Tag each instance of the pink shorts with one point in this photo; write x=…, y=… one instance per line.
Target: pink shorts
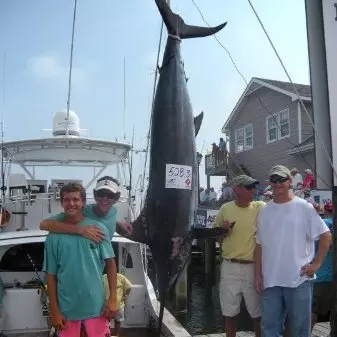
x=95, y=327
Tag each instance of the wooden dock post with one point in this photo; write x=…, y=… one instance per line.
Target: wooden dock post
x=181, y=291
x=210, y=260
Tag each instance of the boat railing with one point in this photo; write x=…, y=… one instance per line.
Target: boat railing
x=31, y=197
x=215, y=162
x=27, y=210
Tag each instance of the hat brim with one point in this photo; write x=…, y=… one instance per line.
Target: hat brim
x=253, y=182
x=280, y=174
x=108, y=188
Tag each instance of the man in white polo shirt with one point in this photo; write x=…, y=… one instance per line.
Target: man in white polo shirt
x=285, y=260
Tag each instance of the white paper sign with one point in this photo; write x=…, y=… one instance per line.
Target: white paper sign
x=178, y=176
x=211, y=214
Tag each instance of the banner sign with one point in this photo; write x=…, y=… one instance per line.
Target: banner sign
x=321, y=196
x=205, y=217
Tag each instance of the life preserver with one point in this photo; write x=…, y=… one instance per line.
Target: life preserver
x=5, y=217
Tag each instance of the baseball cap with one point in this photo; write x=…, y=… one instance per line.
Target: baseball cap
x=280, y=170
x=107, y=185
x=243, y=180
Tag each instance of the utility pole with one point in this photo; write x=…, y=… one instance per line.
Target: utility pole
x=322, y=31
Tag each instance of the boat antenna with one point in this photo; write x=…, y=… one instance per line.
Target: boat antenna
x=3, y=187
x=131, y=163
x=71, y=66
x=124, y=101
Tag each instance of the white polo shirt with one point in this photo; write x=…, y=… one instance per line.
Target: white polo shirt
x=286, y=233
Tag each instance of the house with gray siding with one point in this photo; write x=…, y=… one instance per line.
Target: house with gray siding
x=269, y=126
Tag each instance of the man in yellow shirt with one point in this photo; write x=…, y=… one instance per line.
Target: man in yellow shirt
x=123, y=288
x=237, y=268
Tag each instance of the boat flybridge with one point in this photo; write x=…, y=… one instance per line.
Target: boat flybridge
x=27, y=200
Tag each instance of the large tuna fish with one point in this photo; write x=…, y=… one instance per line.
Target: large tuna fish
x=166, y=221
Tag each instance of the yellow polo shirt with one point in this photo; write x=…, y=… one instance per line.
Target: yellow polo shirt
x=240, y=244
x=123, y=286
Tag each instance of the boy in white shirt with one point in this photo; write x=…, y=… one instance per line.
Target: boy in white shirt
x=285, y=261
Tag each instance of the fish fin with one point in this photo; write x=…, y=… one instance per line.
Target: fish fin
x=176, y=25
x=139, y=228
x=204, y=233
x=197, y=122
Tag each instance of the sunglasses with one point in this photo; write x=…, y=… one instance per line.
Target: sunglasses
x=108, y=195
x=278, y=179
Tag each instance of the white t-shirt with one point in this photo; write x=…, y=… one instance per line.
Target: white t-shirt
x=286, y=233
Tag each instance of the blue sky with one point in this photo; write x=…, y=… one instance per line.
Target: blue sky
x=35, y=35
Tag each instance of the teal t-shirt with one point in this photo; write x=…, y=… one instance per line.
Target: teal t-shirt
x=109, y=220
x=324, y=273
x=78, y=264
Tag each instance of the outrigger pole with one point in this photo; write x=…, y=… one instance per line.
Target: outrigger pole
x=321, y=32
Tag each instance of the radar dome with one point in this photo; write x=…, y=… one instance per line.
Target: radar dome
x=61, y=123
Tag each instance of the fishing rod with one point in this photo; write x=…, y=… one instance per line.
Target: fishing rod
x=131, y=164
x=71, y=66
x=3, y=187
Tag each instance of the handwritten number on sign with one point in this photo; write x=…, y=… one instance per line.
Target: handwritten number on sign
x=175, y=171
x=182, y=171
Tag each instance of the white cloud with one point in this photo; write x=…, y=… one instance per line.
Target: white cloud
x=50, y=68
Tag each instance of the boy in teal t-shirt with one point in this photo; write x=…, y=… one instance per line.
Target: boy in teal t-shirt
x=74, y=267
x=106, y=193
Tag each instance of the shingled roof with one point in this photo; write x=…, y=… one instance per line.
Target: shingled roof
x=303, y=89
x=307, y=145
x=286, y=88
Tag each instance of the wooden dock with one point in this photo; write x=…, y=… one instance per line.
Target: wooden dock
x=320, y=330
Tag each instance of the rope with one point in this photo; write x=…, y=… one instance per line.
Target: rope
x=263, y=106
x=295, y=89
x=152, y=105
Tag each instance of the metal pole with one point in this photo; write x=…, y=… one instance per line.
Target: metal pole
x=319, y=89
x=321, y=108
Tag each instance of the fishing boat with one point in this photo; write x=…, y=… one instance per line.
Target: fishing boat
x=27, y=199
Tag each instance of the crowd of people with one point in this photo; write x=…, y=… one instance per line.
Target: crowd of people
x=276, y=256
x=210, y=198
x=86, y=295
x=301, y=187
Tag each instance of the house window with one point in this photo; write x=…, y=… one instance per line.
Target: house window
x=244, y=138
x=278, y=126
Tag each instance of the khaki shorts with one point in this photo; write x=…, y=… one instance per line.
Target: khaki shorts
x=237, y=281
